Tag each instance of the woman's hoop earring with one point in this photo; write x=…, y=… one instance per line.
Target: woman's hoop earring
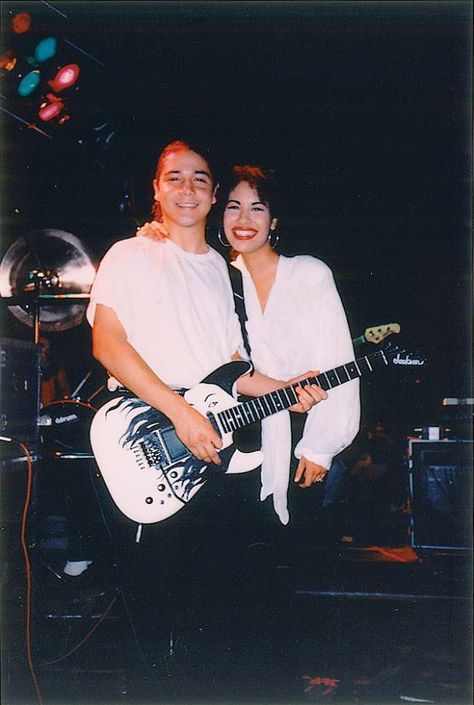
x=273, y=237
x=222, y=239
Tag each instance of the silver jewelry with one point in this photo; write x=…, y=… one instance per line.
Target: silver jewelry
x=273, y=237
x=222, y=239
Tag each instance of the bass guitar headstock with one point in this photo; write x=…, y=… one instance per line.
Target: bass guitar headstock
x=377, y=334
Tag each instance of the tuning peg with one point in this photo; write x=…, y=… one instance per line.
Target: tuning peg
x=390, y=347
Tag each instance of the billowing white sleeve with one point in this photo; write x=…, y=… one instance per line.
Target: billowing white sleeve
x=333, y=423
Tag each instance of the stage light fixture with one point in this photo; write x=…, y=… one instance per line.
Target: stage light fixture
x=50, y=108
x=35, y=72
x=8, y=60
x=65, y=77
x=21, y=22
x=46, y=49
x=29, y=83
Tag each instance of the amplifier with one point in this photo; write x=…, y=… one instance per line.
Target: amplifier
x=19, y=391
x=440, y=489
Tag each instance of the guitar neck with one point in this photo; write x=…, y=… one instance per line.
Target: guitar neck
x=260, y=408
x=359, y=341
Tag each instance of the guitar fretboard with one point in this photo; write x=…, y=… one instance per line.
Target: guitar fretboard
x=261, y=407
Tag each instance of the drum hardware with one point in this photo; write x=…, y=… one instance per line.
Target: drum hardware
x=61, y=297
x=45, y=280
x=66, y=423
x=80, y=385
x=40, y=278
x=27, y=298
x=97, y=391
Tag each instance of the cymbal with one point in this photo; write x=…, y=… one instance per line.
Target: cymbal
x=63, y=297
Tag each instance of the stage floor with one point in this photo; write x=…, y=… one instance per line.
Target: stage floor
x=354, y=625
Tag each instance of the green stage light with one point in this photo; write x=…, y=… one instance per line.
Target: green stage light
x=29, y=83
x=46, y=49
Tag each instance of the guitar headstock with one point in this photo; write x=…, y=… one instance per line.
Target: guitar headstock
x=400, y=356
x=379, y=333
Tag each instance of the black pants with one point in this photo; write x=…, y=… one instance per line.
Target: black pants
x=222, y=552
x=193, y=559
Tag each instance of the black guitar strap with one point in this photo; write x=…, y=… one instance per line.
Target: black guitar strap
x=238, y=289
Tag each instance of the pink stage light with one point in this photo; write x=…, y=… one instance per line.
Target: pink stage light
x=49, y=110
x=65, y=77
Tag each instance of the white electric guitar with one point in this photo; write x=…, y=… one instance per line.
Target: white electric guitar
x=151, y=475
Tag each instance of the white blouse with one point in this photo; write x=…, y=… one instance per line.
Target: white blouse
x=303, y=327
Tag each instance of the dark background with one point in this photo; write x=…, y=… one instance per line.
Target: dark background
x=363, y=109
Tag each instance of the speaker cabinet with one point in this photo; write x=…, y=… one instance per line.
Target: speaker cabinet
x=19, y=391
x=440, y=489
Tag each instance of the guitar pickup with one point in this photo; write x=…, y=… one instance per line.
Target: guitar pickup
x=172, y=446
x=163, y=448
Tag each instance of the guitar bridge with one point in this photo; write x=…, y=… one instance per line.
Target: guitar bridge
x=152, y=452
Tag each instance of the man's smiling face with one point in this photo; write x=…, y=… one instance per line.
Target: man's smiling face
x=185, y=189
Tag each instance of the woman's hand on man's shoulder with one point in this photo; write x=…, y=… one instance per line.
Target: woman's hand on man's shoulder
x=153, y=230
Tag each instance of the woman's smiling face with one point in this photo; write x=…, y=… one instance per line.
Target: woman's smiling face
x=247, y=220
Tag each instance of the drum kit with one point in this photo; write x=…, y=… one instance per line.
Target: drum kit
x=45, y=280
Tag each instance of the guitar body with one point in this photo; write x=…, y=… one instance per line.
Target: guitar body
x=149, y=473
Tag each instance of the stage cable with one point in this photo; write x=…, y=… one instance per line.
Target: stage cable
x=26, y=557
x=85, y=638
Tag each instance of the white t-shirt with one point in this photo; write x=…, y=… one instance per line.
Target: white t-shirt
x=176, y=307
x=304, y=327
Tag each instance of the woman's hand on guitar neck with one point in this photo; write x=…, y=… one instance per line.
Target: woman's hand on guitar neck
x=153, y=230
x=309, y=394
